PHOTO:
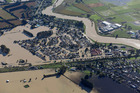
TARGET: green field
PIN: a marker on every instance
(75, 9)
(95, 17)
(121, 34)
(83, 7)
(9, 1)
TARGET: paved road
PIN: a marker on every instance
(90, 29)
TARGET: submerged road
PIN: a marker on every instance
(90, 28)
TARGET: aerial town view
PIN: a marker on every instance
(69, 46)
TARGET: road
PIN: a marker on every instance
(90, 29)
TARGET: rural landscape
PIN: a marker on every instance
(124, 12)
(69, 46)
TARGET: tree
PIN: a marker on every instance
(79, 24)
(115, 47)
(129, 27)
(91, 74)
(24, 22)
(4, 49)
(110, 44)
(86, 77)
(137, 53)
(62, 70)
(116, 36)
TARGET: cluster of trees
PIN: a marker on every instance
(62, 70)
(4, 49)
(79, 24)
(44, 34)
(28, 33)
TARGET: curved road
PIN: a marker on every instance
(90, 29)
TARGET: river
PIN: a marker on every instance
(90, 29)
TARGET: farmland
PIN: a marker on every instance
(5, 14)
(124, 11)
(82, 7)
(75, 9)
(10, 14)
(4, 25)
(70, 7)
(69, 12)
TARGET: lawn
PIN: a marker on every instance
(95, 17)
(5, 14)
(121, 34)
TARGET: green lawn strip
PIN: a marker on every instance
(9, 1)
